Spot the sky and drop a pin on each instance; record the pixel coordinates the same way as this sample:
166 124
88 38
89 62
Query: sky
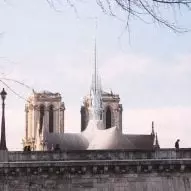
149 67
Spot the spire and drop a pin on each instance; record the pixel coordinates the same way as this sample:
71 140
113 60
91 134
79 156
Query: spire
153 131
156 145
96 82
96 90
95 65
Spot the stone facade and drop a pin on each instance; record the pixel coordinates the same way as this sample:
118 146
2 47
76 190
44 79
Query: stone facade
132 170
111 113
45 125
101 123
44 115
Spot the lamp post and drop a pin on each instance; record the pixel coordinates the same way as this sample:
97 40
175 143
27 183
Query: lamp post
3 138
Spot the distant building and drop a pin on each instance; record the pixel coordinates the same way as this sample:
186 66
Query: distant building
101 123
44 115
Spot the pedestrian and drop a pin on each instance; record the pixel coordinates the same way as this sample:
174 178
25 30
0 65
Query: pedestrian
177 144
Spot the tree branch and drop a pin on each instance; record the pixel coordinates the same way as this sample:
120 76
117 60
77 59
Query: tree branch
153 9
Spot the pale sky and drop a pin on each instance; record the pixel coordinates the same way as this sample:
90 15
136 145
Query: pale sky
53 51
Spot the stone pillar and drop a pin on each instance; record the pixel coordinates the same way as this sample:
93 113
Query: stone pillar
120 116
62 118
26 122
46 119
30 121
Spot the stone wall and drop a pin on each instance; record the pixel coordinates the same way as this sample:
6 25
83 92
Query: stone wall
161 170
98 155
128 182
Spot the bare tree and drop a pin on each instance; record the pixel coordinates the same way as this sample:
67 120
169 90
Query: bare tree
162 12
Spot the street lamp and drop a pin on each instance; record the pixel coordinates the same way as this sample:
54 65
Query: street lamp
3 138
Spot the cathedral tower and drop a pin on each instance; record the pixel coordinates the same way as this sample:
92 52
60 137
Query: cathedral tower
107 106
44 115
112 110
111 114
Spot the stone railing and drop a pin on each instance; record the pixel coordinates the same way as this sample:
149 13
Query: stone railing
95 161
96 155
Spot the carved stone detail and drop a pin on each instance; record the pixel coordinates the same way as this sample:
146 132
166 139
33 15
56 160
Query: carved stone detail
95 169
105 169
117 169
138 169
182 168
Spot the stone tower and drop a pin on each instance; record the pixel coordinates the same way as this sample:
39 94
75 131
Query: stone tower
44 115
111 111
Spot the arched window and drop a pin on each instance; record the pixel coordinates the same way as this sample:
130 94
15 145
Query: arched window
51 119
108 118
41 118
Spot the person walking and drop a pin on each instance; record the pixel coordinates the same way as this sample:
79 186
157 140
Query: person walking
177 144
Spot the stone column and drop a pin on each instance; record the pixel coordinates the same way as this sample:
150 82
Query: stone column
26 122
120 116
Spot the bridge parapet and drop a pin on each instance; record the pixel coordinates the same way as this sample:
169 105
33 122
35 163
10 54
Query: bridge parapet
160 170
14 156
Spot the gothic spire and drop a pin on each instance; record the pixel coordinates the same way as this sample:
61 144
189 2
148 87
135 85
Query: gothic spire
153 131
96 90
157 146
95 65
96 82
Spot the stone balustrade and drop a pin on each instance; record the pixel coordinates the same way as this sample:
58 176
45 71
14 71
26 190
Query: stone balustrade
14 156
96 161
149 170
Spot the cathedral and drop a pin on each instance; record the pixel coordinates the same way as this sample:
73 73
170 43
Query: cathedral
101 123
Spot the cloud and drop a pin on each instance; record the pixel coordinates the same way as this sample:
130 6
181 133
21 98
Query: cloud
120 64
